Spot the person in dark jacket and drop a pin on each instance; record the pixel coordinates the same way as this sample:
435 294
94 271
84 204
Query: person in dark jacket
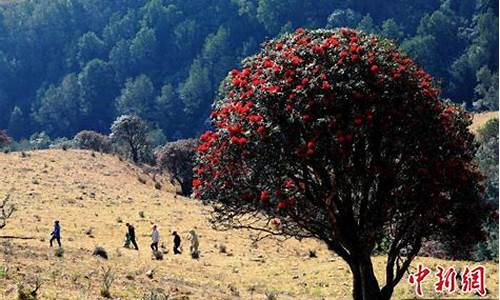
131 235
56 234
177 242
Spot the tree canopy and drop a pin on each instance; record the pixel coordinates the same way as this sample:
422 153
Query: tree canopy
131 132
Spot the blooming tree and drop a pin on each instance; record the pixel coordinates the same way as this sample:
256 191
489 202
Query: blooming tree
336 135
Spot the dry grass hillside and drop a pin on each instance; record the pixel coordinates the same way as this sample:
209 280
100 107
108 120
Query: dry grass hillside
94 195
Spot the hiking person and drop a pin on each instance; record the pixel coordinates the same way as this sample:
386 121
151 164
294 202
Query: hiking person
131 235
194 243
155 237
177 242
56 234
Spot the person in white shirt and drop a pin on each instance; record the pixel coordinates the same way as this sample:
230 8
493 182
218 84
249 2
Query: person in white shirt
155 237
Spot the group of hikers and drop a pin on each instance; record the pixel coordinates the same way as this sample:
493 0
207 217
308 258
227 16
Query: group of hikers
155 239
130 238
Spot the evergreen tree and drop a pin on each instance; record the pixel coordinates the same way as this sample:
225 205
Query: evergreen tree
98 90
391 30
17 124
486 90
121 27
168 109
367 25
143 49
59 108
89 47
194 90
119 59
343 18
136 97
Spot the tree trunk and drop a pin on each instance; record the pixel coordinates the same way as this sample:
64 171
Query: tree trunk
365 285
386 293
135 156
185 187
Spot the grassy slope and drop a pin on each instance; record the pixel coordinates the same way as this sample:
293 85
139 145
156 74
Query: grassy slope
85 192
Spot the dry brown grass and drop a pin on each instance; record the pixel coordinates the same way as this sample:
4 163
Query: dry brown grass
96 193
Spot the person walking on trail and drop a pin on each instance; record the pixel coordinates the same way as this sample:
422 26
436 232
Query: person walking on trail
155 237
194 243
131 235
177 242
56 234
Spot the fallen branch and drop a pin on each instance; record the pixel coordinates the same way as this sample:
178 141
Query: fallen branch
17 237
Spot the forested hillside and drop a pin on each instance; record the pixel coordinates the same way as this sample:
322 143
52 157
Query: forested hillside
69 65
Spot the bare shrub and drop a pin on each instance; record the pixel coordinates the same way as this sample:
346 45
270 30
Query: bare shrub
156 294
108 278
101 252
129 133
24 292
4 139
91 140
271 295
157 185
312 253
177 159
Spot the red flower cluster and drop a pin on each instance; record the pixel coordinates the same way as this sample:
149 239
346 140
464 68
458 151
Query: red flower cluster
207 139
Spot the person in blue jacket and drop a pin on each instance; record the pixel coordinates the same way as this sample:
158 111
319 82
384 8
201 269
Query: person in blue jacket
56 234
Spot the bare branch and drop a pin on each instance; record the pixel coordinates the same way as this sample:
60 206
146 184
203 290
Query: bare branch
6 211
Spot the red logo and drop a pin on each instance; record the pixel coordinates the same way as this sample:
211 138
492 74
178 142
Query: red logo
472 280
